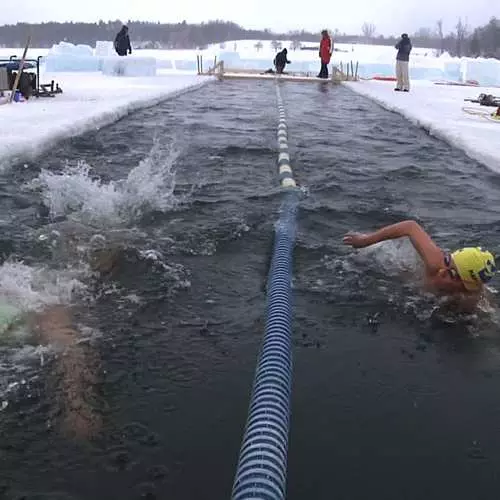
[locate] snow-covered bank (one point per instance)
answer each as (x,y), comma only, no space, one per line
(89,100)
(439,110)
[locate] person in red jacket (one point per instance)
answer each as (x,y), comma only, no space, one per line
(325,53)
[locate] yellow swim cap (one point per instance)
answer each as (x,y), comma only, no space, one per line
(474,265)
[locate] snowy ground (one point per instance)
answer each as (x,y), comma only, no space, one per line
(89,100)
(6,52)
(439,110)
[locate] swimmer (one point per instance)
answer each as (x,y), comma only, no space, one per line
(460,275)
(78,366)
(76,363)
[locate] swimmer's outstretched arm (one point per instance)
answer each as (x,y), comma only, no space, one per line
(430,253)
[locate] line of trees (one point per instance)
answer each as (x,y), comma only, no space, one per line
(460,41)
(179,35)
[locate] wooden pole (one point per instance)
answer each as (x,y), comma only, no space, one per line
(21,66)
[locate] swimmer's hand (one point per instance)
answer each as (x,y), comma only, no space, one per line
(356,240)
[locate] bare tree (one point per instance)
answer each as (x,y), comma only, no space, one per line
(490,35)
(462,32)
(475,44)
(275,44)
(439,25)
(368,30)
(258,46)
(295,45)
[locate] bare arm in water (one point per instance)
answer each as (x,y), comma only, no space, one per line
(441,277)
(430,253)
(78,371)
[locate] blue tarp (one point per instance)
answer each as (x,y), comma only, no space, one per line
(14,65)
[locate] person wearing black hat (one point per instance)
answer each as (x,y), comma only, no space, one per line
(281,60)
(402,62)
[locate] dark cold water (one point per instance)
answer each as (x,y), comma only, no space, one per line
(393,398)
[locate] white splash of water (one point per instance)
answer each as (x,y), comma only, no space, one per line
(74,190)
(149,186)
(28,288)
(394,258)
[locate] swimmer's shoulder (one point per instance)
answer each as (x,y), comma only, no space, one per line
(54,325)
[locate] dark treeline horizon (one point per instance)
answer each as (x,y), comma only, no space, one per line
(460,40)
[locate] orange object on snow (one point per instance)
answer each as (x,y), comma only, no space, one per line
(385,78)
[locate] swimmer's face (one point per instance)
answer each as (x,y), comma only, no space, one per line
(448,278)
(448,281)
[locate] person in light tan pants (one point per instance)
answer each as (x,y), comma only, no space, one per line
(402,62)
(403,76)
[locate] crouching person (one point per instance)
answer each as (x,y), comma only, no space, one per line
(280,61)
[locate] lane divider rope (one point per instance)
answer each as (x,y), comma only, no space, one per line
(262,465)
(284,169)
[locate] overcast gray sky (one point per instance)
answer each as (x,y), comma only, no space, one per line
(389,16)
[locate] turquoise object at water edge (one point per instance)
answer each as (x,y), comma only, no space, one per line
(8,317)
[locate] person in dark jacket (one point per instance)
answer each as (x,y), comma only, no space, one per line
(402,62)
(325,53)
(122,42)
(281,60)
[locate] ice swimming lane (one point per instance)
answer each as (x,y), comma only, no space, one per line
(262,464)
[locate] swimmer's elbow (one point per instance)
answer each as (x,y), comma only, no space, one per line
(411,227)
(408,228)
